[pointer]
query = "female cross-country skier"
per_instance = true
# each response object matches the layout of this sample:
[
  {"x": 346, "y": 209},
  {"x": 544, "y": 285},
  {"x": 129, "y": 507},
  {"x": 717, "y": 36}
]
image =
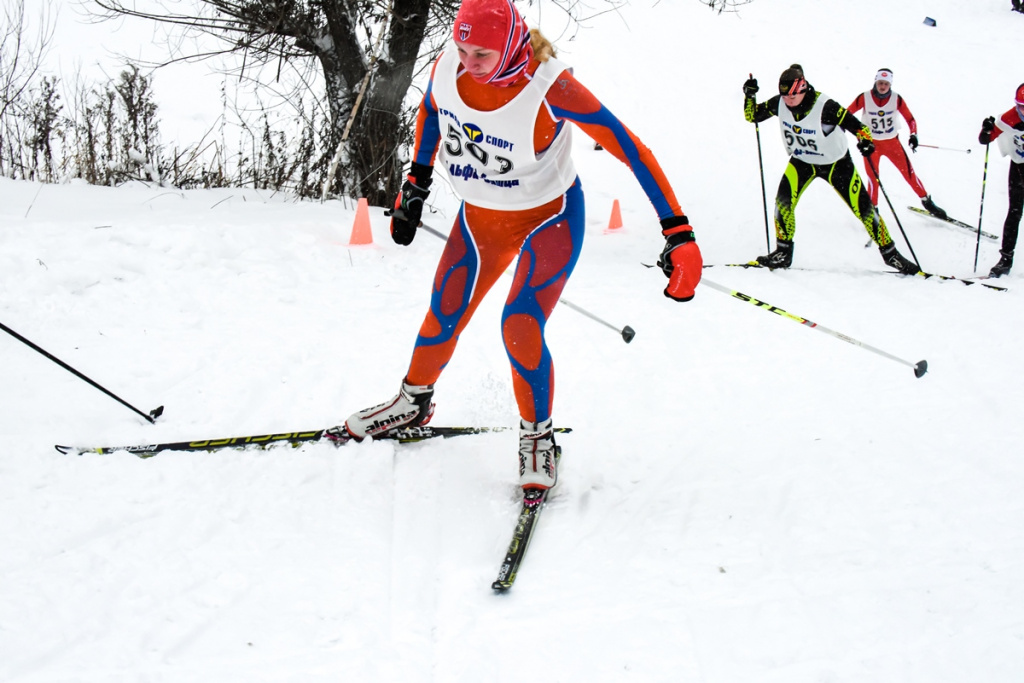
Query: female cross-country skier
[
  {"x": 812, "y": 130},
  {"x": 1008, "y": 130},
  {"x": 883, "y": 108},
  {"x": 495, "y": 116}
]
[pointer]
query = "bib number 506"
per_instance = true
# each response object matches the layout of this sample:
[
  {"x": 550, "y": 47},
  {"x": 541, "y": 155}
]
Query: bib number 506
[{"x": 800, "y": 140}]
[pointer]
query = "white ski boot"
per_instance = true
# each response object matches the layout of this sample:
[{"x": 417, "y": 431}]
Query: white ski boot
[
  {"x": 538, "y": 467},
  {"x": 411, "y": 407}
]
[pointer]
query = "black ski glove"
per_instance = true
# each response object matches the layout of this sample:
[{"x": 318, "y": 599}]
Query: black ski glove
[
  {"x": 405, "y": 217},
  {"x": 866, "y": 147},
  {"x": 986, "y": 127},
  {"x": 912, "y": 141},
  {"x": 750, "y": 87}
]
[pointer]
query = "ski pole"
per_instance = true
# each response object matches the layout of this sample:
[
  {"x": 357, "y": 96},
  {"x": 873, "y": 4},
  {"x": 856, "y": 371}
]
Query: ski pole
[
  {"x": 151, "y": 417},
  {"x": 764, "y": 195},
  {"x": 627, "y": 333},
  {"x": 891, "y": 208},
  {"x": 981, "y": 208},
  {"x": 947, "y": 149},
  {"x": 919, "y": 367}
]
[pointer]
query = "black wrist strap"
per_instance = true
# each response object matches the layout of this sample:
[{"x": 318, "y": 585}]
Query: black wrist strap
[
  {"x": 421, "y": 174},
  {"x": 674, "y": 222}
]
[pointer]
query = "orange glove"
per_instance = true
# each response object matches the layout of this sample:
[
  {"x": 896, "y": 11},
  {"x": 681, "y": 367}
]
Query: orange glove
[{"x": 680, "y": 259}]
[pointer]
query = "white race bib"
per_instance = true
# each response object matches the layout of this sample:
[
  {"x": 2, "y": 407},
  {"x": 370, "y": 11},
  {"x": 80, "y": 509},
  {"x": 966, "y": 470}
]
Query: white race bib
[
  {"x": 489, "y": 155},
  {"x": 806, "y": 140},
  {"x": 883, "y": 120}
]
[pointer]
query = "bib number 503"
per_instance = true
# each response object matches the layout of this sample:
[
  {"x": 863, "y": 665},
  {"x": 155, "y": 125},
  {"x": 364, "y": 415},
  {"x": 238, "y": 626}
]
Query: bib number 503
[{"x": 457, "y": 146}]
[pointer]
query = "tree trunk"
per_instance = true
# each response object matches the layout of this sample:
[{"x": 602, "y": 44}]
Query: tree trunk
[{"x": 379, "y": 130}]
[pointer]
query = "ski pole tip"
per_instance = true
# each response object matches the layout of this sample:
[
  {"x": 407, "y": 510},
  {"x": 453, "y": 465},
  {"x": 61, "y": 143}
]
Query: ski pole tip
[
  {"x": 920, "y": 368},
  {"x": 155, "y": 413},
  {"x": 627, "y": 334}
]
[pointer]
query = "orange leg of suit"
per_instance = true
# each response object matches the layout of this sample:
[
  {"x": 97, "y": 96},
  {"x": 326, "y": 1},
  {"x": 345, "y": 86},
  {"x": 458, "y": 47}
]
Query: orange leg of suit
[{"x": 483, "y": 243}]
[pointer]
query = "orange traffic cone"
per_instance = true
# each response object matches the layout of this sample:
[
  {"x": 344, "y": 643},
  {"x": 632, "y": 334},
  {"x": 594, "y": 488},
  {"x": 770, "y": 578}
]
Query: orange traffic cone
[
  {"x": 361, "y": 233},
  {"x": 615, "y": 222}
]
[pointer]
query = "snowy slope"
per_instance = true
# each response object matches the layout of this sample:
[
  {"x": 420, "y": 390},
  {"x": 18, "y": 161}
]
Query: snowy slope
[{"x": 742, "y": 499}]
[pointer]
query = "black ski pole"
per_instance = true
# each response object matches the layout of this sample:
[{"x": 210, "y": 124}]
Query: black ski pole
[
  {"x": 627, "y": 333},
  {"x": 151, "y": 417},
  {"x": 981, "y": 209},
  {"x": 919, "y": 367},
  {"x": 764, "y": 192},
  {"x": 897, "y": 218}
]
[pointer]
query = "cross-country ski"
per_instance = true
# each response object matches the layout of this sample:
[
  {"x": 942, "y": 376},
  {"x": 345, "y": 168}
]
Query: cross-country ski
[
  {"x": 954, "y": 222},
  {"x": 337, "y": 436}
]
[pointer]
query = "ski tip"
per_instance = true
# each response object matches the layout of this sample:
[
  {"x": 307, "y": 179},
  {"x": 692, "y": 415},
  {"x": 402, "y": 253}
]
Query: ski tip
[
  {"x": 501, "y": 586},
  {"x": 920, "y": 368},
  {"x": 76, "y": 450}
]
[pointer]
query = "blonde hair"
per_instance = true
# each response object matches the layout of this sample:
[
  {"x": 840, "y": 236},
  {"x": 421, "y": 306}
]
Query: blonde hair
[{"x": 542, "y": 47}]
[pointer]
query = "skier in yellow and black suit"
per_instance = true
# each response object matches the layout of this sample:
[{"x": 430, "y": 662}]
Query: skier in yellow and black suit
[{"x": 812, "y": 130}]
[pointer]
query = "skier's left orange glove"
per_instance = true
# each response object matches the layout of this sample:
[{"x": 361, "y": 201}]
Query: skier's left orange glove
[{"x": 680, "y": 259}]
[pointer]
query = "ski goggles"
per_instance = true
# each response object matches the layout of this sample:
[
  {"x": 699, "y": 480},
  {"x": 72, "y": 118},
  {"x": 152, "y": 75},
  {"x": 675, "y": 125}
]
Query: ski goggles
[{"x": 798, "y": 86}]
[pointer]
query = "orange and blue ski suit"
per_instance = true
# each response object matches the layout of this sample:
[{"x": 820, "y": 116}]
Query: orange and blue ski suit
[{"x": 547, "y": 238}]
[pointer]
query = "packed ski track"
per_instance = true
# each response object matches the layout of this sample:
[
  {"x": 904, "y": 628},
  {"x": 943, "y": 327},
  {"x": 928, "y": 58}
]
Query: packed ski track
[{"x": 742, "y": 498}]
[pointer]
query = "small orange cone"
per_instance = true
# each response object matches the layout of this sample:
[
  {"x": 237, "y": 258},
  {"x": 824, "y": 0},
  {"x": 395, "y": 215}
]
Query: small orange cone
[
  {"x": 615, "y": 222},
  {"x": 361, "y": 233}
]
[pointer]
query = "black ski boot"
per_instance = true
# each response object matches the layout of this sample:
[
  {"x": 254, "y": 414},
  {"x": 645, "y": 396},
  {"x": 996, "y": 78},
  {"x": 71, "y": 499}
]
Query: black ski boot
[
  {"x": 931, "y": 208},
  {"x": 894, "y": 259},
  {"x": 1004, "y": 265},
  {"x": 782, "y": 257}
]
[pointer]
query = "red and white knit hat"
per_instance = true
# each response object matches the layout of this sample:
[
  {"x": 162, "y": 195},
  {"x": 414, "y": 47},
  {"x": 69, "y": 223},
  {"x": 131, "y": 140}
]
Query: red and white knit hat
[
  {"x": 496, "y": 25},
  {"x": 884, "y": 75}
]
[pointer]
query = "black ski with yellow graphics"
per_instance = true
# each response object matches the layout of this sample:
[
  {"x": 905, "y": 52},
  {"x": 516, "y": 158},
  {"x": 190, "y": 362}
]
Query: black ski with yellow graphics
[
  {"x": 926, "y": 276},
  {"x": 335, "y": 435},
  {"x": 954, "y": 222},
  {"x": 533, "y": 502}
]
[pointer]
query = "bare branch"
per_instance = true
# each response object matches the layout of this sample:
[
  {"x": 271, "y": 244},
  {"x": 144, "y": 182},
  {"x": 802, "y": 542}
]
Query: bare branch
[{"x": 21, "y": 57}]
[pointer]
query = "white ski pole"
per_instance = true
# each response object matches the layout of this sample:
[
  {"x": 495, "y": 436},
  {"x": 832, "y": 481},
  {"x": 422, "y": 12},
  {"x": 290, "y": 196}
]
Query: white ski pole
[{"x": 920, "y": 367}]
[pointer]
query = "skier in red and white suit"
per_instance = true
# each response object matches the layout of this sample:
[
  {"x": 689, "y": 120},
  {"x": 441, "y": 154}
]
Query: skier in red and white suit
[
  {"x": 495, "y": 118},
  {"x": 1008, "y": 132},
  {"x": 882, "y": 108}
]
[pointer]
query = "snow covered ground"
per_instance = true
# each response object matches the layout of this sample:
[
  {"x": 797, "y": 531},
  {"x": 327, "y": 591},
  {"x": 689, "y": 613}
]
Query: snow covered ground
[{"x": 742, "y": 498}]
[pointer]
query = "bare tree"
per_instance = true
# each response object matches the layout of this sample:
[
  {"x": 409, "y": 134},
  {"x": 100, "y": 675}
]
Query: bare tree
[
  {"x": 20, "y": 60},
  {"x": 336, "y": 36}
]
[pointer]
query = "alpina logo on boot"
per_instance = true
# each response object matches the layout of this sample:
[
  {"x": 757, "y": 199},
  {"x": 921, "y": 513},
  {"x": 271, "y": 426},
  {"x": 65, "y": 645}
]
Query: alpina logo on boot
[
  {"x": 464, "y": 30},
  {"x": 384, "y": 425},
  {"x": 549, "y": 465}
]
